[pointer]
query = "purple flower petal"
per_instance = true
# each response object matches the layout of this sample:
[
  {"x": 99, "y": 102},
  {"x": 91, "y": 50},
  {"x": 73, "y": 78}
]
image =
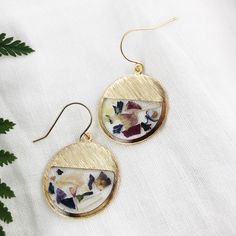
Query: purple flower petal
[
  {"x": 134, "y": 130},
  {"x": 133, "y": 105},
  {"x": 60, "y": 194}
]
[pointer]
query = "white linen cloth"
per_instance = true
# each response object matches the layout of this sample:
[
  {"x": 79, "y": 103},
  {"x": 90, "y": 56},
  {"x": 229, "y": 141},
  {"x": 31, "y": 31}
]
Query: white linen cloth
[{"x": 182, "y": 181}]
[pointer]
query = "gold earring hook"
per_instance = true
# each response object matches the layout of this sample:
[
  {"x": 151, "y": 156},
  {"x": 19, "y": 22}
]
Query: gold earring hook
[
  {"x": 70, "y": 104},
  {"x": 139, "y": 66}
]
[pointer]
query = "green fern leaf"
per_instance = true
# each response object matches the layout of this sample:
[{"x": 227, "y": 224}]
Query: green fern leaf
[
  {"x": 5, "y": 214},
  {"x": 6, "y": 157},
  {"x": 5, "y": 125},
  {"x": 13, "y": 48},
  {"x": 5, "y": 191},
  {"x": 2, "y": 233}
]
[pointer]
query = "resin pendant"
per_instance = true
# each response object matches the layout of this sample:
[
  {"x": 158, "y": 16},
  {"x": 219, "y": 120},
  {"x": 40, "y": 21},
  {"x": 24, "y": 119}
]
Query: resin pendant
[
  {"x": 81, "y": 179},
  {"x": 132, "y": 108}
]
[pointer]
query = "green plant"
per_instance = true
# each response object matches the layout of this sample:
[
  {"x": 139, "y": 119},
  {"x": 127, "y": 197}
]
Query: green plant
[
  {"x": 8, "y": 47},
  {"x": 5, "y": 191},
  {"x": 13, "y": 48}
]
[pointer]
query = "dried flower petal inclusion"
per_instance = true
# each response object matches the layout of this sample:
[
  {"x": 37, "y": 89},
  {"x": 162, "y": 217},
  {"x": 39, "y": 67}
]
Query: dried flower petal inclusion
[
  {"x": 74, "y": 190},
  {"x": 129, "y": 120}
]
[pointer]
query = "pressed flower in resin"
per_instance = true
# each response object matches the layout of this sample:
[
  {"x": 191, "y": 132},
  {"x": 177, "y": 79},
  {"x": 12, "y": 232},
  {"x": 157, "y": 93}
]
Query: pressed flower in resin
[
  {"x": 118, "y": 108},
  {"x": 59, "y": 172},
  {"x": 146, "y": 126},
  {"x": 134, "y": 130},
  {"x": 117, "y": 129},
  {"x": 80, "y": 197},
  {"x": 73, "y": 191},
  {"x": 102, "y": 181},
  {"x": 130, "y": 119},
  {"x": 79, "y": 190},
  {"x": 60, "y": 194},
  {"x": 91, "y": 181},
  {"x": 51, "y": 188},
  {"x": 133, "y": 105},
  {"x": 68, "y": 202}
]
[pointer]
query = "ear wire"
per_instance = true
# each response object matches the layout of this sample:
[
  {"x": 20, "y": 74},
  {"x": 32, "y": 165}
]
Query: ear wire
[
  {"x": 138, "y": 65},
  {"x": 70, "y": 104}
]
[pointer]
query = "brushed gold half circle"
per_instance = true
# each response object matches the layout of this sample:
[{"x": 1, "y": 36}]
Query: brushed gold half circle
[
  {"x": 85, "y": 155},
  {"x": 136, "y": 87}
]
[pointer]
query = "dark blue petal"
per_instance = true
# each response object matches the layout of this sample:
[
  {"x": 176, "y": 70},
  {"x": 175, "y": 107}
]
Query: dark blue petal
[
  {"x": 118, "y": 108},
  {"x": 59, "y": 172},
  {"x": 51, "y": 188},
  {"x": 146, "y": 126},
  {"x": 90, "y": 183},
  {"x": 87, "y": 193},
  {"x": 117, "y": 129},
  {"x": 148, "y": 117},
  {"x": 68, "y": 202}
]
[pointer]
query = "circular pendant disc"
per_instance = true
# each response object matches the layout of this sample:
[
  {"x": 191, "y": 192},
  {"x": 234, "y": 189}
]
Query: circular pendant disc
[
  {"x": 81, "y": 179},
  {"x": 132, "y": 108}
]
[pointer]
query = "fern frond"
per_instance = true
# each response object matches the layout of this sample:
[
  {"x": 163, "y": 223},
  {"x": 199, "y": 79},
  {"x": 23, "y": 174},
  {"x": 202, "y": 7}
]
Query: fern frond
[
  {"x": 5, "y": 191},
  {"x": 2, "y": 233},
  {"x": 6, "y": 157},
  {"x": 13, "y": 48},
  {"x": 5, "y": 214},
  {"x": 5, "y": 125}
]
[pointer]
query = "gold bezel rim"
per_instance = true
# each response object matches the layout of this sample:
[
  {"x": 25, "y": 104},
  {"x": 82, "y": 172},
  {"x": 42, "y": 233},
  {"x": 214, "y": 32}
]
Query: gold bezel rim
[
  {"x": 96, "y": 210},
  {"x": 148, "y": 135}
]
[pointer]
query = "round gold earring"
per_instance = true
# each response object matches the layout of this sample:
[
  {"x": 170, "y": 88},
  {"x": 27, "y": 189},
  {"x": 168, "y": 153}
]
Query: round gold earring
[
  {"x": 134, "y": 106},
  {"x": 82, "y": 178}
]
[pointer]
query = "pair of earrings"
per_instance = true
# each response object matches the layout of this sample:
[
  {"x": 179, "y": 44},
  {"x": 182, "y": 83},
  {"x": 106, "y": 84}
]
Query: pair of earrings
[{"x": 81, "y": 179}]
